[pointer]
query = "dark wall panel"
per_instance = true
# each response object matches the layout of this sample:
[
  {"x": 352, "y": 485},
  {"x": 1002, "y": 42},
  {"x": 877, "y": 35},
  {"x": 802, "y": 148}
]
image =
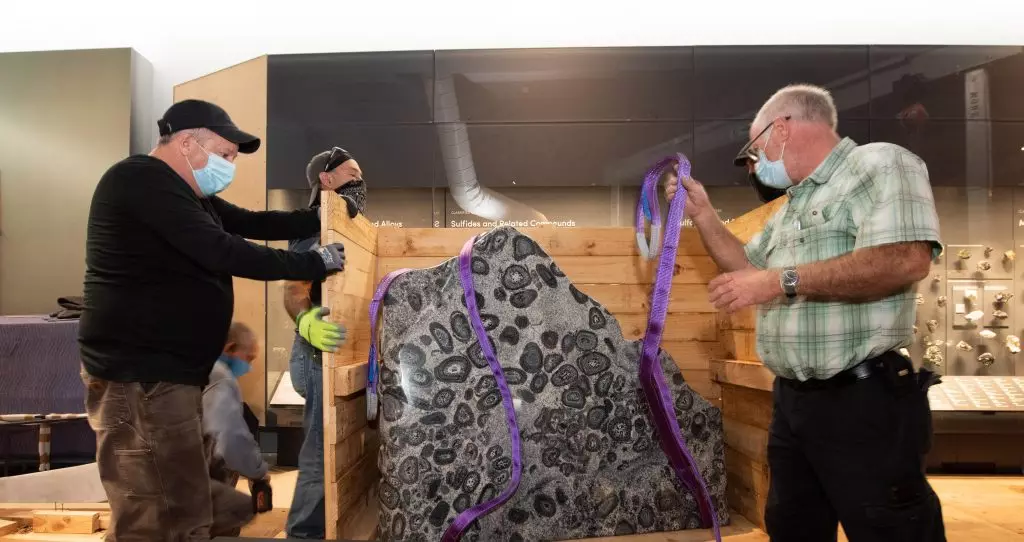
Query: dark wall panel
[
  {"x": 563, "y": 85},
  {"x": 733, "y": 82},
  {"x": 571, "y": 154},
  {"x": 917, "y": 82}
]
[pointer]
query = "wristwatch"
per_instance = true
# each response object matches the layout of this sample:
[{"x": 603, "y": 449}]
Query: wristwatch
[{"x": 789, "y": 280}]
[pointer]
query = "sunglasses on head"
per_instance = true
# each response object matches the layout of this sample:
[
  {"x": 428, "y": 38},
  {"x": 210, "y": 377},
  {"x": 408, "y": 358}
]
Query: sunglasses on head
[
  {"x": 338, "y": 156},
  {"x": 748, "y": 152}
]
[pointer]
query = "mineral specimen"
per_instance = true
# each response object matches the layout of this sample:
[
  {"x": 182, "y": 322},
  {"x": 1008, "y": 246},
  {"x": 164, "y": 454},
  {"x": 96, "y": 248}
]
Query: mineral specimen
[
  {"x": 987, "y": 334},
  {"x": 984, "y": 266},
  {"x": 1009, "y": 255},
  {"x": 933, "y": 356},
  {"x": 964, "y": 346},
  {"x": 988, "y": 251},
  {"x": 964, "y": 254},
  {"x": 919, "y": 299},
  {"x": 941, "y": 301},
  {"x": 1013, "y": 344},
  {"x": 1000, "y": 314},
  {"x": 973, "y": 317},
  {"x": 1003, "y": 297},
  {"x": 932, "y": 324},
  {"x": 986, "y": 359}
]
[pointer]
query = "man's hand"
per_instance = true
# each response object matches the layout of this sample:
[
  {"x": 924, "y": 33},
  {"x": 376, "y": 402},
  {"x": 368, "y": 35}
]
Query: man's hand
[
  {"x": 697, "y": 201},
  {"x": 333, "y": 256},
  {"x": 733, "y": 291},
  {"x": 323, "y": 335}
]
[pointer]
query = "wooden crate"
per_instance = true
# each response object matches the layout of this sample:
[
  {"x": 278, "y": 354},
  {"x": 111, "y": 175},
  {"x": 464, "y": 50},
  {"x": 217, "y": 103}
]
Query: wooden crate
[{"x": 602, "y": 262}]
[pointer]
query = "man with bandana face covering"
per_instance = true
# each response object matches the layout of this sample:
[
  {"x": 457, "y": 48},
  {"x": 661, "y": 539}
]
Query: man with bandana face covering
[
  {"x": 335, "y": 170},
  {"x": 833, "y": 276}
]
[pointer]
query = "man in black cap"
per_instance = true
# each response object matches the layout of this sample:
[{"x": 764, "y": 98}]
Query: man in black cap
[
  {"x": 329, "y": 170},
  {"x": 161, "y": 251}
]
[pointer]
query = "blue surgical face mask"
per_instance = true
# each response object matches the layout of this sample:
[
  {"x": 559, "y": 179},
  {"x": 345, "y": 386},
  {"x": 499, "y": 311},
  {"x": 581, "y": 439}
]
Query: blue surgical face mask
[
  {"x": 772, "y": 173},
  {"x": 237, "y": 366},
  {"x": 215, "y": 176}
]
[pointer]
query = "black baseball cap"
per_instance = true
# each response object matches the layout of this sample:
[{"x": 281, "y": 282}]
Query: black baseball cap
[{"x": 190, "y": 114}]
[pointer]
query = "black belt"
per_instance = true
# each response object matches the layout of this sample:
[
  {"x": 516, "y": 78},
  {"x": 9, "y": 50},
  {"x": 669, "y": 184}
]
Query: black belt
[{"x": 862, "y": 371}]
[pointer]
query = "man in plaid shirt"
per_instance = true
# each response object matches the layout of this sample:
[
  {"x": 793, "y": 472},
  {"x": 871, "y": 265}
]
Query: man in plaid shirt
[{"x": 833, "y": 275}]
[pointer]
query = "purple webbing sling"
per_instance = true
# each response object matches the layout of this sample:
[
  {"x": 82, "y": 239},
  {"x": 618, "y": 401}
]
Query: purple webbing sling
[
  {"x": 647, "y": 208},
  {"x": 652, "y": 378},
  {"x": 468, "y": 516},
  {"x": 372, "y": 363}
]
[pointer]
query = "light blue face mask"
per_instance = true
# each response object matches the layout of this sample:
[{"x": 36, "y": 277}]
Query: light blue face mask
[
  {"x": 215, "y": 176},
  {"x": 772, "y": 173},
  {"x": 237, "y": 366}
]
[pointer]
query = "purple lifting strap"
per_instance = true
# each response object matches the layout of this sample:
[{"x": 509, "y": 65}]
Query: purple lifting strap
[
  {"x": 467, "y": 517},
  {"x": 371, "y": 369},
  {"x": 652, "y": 378}
]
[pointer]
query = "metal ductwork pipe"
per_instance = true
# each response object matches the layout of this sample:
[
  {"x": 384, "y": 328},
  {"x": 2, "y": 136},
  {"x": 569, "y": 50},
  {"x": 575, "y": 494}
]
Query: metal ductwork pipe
[{"x": 459, "y": 168}]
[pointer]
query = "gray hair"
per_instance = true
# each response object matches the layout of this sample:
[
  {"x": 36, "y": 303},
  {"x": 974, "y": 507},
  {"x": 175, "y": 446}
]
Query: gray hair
[
  {"x": 809, "y": 103},
  {"x": 201, "y": 135}
]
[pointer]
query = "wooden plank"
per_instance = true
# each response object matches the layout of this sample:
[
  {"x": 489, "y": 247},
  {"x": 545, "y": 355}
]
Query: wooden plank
[
  {"x": 592, "y": 269},
  {"x": 357, "y": 481},
  {"x": 350, "y": 378},
  {"x": 65, "y": 521},
  {"x": 678, "y": 326},
  {"x": 740, "y": 345},
  {"x": 334, "y": 217},
  {"x": 747, "y": 405},
  {"x": 746, "y": 226},
  {"x": 746, "y": 439},
  {"x": 635, "y": 298},
  {"x": 742, "y": 373},
  {"x": 362, "y": 443},
  {"x": 350, "y": 416},
  {"x": 693, "y": 354},
  {"x": 708, "y": 390},
  {"x": 743, "y": 319},
  {"x": 447, "y": 242},
  {"x": 56, "y": 537},
  {"x": 9, "y": 527},
  {"x": 360, "y": 521}
]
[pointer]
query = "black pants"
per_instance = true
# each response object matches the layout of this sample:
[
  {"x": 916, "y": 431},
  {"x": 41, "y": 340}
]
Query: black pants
[{"x": 852, "y": 454}]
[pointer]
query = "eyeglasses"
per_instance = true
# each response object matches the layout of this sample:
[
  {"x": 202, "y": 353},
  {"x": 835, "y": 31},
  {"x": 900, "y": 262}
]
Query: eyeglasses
[
  {"x": 337, "y": 157},
  {"x": 748, "y": 152}
]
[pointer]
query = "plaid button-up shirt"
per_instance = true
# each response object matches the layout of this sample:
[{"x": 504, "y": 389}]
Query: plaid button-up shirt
[{"x": 859, "y": 197}]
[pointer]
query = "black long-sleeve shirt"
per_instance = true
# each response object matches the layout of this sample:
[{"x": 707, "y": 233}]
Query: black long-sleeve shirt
[{"x": 159, "y": 262}]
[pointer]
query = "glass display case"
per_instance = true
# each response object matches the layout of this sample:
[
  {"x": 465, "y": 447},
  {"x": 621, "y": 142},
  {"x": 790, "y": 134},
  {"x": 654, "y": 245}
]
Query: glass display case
[{"x": 457, "y": 139}]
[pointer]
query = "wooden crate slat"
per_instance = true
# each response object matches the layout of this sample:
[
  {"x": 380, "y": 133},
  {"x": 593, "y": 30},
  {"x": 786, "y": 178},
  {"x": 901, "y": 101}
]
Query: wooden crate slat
[
  {"x": 446, "y": 242},
  {"x": 681, "y": 326},
  {"x": 592, "y": 269}
]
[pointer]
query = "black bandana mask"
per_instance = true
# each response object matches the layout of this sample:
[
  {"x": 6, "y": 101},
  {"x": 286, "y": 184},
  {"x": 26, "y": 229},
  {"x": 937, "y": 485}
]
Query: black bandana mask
[
  {"x": 765, "y": 193},
  {"x": 355, "y": 191}
]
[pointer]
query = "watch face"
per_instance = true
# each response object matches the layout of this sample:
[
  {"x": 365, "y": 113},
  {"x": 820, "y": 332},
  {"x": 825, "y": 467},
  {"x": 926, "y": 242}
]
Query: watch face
[{"x": 789, "y": 277}]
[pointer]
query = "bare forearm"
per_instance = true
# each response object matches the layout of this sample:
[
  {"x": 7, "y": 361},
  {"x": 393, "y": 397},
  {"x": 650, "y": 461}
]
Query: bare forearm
[
  {"x": 866, "y": 274},
  {"x": 296, "y": 298},
  {"x": 723, "y": 247}
]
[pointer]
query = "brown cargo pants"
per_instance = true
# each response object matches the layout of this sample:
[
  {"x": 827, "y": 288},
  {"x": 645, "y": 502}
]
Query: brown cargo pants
[{"x": 152, "y": 462}]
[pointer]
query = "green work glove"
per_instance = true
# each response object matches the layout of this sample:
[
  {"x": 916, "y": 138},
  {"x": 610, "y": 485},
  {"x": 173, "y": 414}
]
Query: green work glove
[{"x": 323, "y": 335}]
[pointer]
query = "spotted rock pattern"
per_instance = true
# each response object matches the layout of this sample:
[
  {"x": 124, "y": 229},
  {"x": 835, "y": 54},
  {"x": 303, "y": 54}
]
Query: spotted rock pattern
[{"x": 592, "y": 465}]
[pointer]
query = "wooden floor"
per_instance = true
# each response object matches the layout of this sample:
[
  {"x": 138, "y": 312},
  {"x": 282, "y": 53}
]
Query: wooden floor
[{"x": 976, "y": 509}]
